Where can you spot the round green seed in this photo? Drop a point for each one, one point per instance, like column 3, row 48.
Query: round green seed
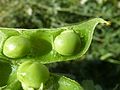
column 16, row 47
column 67, row 43
column 32, row 74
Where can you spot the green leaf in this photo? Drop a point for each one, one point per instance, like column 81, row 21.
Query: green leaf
column 58, row 82
column 42, row 41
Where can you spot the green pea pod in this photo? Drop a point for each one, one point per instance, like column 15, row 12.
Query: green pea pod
column 47, row 45
column 58, row 82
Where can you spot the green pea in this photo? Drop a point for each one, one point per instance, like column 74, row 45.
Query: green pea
column 32, row 74
column 16, row 47
column 67, row 43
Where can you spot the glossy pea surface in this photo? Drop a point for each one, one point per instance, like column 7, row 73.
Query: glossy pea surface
column 67, row 43
column 16, row 47
column 32, row 74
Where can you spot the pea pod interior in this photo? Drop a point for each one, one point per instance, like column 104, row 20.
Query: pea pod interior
column 5, row 70
column 42, row 41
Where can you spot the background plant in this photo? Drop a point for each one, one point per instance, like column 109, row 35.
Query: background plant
column 95, row 69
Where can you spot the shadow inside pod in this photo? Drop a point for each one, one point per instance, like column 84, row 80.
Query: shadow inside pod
column 40, row 46
column 5, row 70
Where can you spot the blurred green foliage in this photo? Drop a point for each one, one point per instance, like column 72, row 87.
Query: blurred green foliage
column 100, row 66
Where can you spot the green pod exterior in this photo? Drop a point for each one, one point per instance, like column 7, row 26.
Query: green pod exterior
column 68, row 84
column 42, row 41
column 59, row 82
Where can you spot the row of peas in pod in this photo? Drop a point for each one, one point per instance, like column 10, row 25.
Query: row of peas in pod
column 40, row 44
column 47, row 45
column 67, row 43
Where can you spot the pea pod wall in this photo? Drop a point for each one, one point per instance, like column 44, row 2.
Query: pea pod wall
column 43, row 45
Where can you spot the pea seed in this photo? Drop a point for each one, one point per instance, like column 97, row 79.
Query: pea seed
column 32, row 74
column 16, row 47
column 67, row 43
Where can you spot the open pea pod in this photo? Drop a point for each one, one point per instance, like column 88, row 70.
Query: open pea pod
column 48, row 45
